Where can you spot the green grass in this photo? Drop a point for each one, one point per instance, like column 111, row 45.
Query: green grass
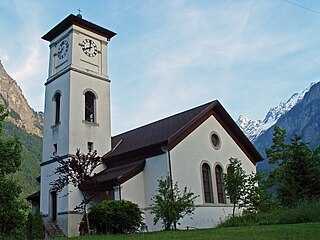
column 308, row 211
column 307, row 231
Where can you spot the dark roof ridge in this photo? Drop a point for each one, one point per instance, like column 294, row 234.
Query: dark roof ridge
column 75, row 20
column 165, row 118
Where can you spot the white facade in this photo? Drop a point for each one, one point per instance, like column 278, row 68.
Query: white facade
column 186, row 161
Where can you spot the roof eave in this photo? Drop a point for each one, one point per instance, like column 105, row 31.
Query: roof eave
column 75, row 20
column 222, row 116
column 134, row 155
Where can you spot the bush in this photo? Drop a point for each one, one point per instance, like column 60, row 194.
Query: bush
column 29, row 226
column 115, row 216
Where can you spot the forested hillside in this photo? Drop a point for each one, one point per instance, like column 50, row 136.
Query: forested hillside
column 31, row 157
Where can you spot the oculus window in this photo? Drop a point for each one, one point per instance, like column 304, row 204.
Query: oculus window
column 215, row 140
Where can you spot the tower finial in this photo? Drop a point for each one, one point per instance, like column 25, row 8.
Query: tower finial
column 79, row 14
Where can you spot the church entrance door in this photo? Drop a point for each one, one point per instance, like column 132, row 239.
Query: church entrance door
column 54, row 206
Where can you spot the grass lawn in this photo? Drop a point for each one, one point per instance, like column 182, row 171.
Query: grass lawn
column 307, row 231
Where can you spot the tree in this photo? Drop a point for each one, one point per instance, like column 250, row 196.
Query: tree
column 297, row 171
column 170, row 205
column 234, row 182
column 11, row 207
column 77, row 170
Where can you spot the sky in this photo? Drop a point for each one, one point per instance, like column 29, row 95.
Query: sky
column 172, row 55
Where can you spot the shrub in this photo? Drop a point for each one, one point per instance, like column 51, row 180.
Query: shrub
column 29, row 226
column 37, row 226
column 170, row 204
column 115, row 216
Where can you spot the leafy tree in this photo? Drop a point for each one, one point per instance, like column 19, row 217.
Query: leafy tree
column 296, row 176
column 11, row 207
column 170, row 205
column 257, row 196
column 115, row 216
column 234, row 182
column 77, row 170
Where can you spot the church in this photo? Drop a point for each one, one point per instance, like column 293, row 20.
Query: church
column 193, row 147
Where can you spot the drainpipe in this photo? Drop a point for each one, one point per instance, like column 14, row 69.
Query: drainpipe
column 166, row 150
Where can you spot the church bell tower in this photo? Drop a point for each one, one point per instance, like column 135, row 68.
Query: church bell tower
column 77, row 109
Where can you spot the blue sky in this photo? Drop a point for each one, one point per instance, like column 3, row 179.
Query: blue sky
column 172, row 55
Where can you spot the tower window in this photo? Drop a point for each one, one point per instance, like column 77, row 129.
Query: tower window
column 56, row 101
column 89, row 107
column 207, row 184
column 90, row 146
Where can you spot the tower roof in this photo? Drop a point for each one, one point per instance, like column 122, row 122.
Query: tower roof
column 75, row 20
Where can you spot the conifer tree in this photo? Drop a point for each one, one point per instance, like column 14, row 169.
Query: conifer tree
column 296, row 176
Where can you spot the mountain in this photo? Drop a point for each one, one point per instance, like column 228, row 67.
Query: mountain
column 302, row 119
column 21, row 114
column 27, row 124
column 254, row 128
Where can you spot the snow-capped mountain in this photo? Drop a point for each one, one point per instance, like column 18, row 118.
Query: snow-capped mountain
column 254, row 128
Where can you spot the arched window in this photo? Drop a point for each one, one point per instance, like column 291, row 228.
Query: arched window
column 89, row 107
column 56, row 100
column 207, row 183
column 230, row 170
column 219, row 181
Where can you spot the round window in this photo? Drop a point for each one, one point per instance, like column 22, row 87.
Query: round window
column 215, row 140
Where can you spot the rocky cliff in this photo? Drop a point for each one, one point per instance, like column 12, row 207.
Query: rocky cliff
column 21, row 114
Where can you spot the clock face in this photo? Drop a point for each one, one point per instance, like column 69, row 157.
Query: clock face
column 63, row 49
column 89, row 47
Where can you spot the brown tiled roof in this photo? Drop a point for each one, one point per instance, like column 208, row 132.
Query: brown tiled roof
column 146, row 141
column 75, row 20
column 153, row 134
column 118, row 175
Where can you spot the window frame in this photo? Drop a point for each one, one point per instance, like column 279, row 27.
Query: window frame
column 207, row 187
column 92, row 108
column 56, row 105
column 219, row 184
column 219, row 142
